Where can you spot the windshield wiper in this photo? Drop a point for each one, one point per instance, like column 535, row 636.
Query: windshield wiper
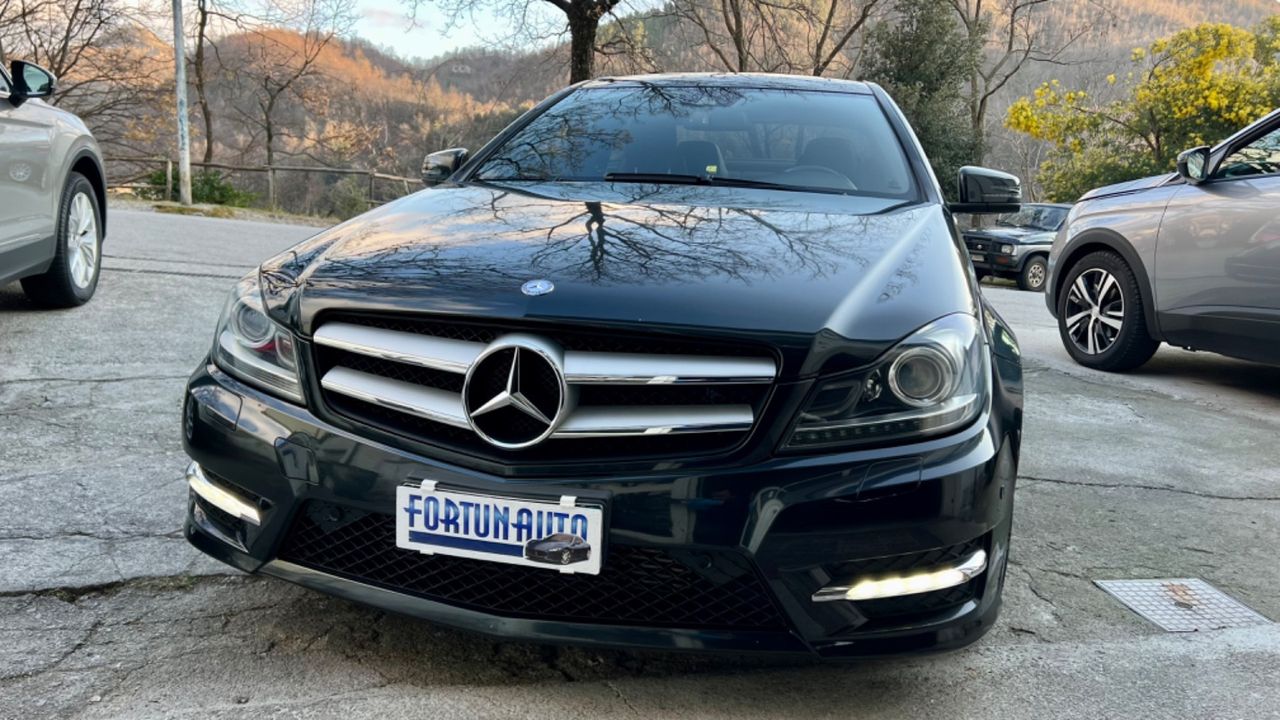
column 688, row 179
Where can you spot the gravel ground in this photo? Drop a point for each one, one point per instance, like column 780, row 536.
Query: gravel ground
column 105, row 611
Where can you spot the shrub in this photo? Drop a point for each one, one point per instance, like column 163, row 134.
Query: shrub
column 207, row 186
column 348, row 196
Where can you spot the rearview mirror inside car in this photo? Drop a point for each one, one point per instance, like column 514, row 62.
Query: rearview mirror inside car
column 440, row 165
column 987, row 191
column 1193, row 164
column 30, row 81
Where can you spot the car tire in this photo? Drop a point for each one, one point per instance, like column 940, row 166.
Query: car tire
column 1033, row 274
column 1107, row 332
column 566, row 557
column 72, row 278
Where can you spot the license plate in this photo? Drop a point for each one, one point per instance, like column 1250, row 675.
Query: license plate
column 567, row 536
column 978, row 257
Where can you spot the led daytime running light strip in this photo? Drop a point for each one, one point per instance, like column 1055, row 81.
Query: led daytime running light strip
column 913, row 584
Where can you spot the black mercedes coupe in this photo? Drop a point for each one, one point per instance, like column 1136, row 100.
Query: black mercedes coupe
column 720, row 328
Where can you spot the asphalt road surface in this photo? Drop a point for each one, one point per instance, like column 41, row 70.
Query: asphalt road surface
column 105, row 612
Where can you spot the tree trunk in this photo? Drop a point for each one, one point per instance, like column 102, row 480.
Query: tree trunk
column 270, row 133
column 197, row 68
column 584, row 23
column 980, row 133
column 737, row 32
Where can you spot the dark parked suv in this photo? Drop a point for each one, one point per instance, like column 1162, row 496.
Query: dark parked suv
column 688, row 361
column 1017, row 245
column 1191, row 259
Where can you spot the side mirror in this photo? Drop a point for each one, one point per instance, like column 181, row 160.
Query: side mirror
column 986, row 191
column 30, row 81
column 440, row 165
column 1193, row 164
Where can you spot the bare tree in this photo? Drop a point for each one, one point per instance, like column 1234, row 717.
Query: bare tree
column 13, row 15
column 281, row 56
column 207, row 13
column 1015, row 33
column 581, row 18
column 111, row 69
column 812, row 37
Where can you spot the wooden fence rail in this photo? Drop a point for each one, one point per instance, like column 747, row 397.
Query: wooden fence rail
column 270, row 170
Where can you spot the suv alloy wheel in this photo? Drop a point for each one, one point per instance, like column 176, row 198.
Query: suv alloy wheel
column 1100, row 314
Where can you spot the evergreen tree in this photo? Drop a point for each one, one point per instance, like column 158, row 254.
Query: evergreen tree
column 922, row 58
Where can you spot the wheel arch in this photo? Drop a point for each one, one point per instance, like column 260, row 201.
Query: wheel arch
column 1043, row 254
column 1109, row 240
column 88, row 165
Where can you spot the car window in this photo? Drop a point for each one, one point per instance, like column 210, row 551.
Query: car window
column 794, row 139
column 1260, row 157
column 1038, row 217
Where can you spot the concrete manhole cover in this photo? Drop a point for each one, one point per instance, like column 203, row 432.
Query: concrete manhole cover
column 1182, row 604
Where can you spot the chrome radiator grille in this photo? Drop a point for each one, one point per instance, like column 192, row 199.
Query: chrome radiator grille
column 595, row 393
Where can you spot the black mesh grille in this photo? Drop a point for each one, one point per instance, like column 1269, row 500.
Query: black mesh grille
column 619, row 449
column 911, row 561
column 637, row 586
column 225, row 521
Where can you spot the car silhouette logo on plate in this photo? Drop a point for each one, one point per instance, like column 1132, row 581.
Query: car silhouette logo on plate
column 537, row 287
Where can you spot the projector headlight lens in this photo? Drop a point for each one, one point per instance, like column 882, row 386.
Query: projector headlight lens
column 251, row 347
column 937, row 379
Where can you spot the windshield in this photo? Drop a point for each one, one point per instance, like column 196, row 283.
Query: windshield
column 1039, row 217
column 781, row 139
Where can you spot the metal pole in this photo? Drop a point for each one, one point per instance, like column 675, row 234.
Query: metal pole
column 180, row 81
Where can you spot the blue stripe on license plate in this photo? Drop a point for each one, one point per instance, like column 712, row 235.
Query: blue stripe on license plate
column 462, row 543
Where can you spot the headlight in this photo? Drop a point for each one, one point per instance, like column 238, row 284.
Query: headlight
column 252, row 347
column 931, row 383
column 1007, row 249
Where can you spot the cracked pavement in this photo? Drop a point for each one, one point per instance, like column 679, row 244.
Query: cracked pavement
column 105, row 612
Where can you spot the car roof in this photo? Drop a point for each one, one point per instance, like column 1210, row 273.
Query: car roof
column 737, row 80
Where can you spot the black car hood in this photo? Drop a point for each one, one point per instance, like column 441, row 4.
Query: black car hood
column 1130, row 186
column 1017, row 235
column 793, row 269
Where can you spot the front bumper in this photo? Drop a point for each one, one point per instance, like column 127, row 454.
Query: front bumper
column 996, row 263
column 787, row 527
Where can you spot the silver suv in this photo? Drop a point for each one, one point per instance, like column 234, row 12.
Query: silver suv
column 53, row 207
column 1190, row 258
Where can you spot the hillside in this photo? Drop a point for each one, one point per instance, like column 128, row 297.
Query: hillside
column 361, row 106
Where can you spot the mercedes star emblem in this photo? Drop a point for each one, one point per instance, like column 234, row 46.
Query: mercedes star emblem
column 515, row 394
column 537, row 287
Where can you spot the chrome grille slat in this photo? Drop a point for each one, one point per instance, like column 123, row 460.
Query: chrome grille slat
column 421, row 350
column 427, row 402
column 446, row 407
column 634, row 369
column 580, row 367
column 612, row 421
column 397, row 375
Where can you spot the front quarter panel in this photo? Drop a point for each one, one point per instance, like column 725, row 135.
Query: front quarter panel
column 1125, row 224
column 73, row 141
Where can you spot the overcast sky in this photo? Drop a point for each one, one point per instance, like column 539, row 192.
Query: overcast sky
column 387, row 23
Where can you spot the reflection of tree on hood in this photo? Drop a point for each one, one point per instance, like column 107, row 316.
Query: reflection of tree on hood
column 652, row 232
